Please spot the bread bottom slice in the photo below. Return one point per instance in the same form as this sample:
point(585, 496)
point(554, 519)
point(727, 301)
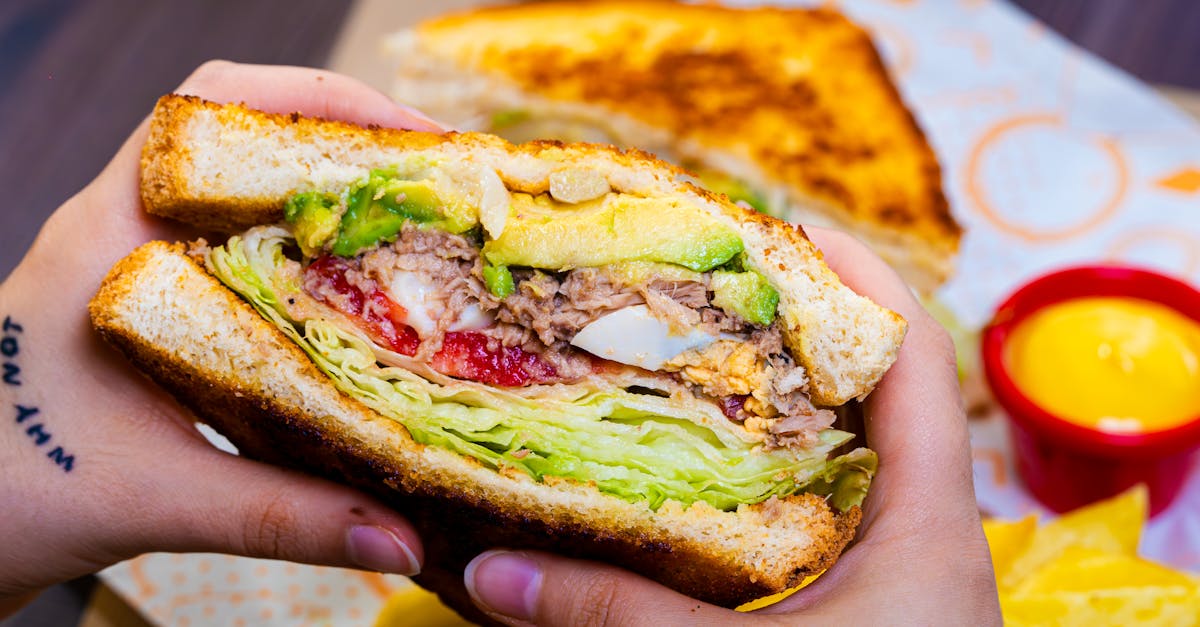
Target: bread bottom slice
point(243, 376)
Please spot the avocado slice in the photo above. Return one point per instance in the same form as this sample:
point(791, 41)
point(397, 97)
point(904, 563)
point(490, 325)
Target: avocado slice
point(379, 207)
point(314, 218)
point(746, 294)
point(617, 228)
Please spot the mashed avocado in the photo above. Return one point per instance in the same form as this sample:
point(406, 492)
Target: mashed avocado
point(499, 281)
point(371, 211)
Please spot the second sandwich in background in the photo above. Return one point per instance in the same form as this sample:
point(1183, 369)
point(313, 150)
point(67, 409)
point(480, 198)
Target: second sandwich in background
point(790, 111)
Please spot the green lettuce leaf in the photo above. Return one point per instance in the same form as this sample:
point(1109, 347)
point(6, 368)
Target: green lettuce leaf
point(638, 447)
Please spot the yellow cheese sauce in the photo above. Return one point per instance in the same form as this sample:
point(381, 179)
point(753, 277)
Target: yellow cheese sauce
point(1120, 365)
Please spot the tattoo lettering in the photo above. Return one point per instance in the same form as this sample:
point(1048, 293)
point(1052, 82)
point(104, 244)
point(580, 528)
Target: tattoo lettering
point(10, 348)
point(38, 433)
point(67, 462)
point(24, 412)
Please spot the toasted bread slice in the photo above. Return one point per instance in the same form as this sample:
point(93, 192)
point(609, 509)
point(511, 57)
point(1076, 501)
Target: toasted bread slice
point(217, 355)
point(227, 167)
point(793, 102)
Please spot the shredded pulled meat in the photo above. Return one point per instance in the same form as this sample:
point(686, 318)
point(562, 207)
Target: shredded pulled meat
point(451, 272)
point(553, 309)
point(444, 257)
point(449, 262)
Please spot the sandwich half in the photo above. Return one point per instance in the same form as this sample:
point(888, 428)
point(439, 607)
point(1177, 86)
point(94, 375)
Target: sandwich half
point(788, 110)
point(556, 346)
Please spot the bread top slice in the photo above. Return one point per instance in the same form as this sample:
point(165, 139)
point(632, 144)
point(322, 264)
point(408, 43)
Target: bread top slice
point(241, 374)
point(791, 99)
point(227, 167)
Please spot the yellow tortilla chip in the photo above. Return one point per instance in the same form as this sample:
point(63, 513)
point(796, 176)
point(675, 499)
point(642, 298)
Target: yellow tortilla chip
point(1113, 526)
point(415, 606)
point(1008, 540)
point(1173, 605)
point(1084, 570)
point(1120, 518)
point(758, 604)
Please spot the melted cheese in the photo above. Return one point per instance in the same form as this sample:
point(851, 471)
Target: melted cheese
point(1112, 364)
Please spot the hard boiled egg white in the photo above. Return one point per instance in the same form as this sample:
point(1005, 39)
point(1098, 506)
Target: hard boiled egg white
point(425, 306)
point(633, 336)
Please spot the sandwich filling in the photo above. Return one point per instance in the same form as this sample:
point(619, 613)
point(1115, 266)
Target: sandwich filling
point(579, 334)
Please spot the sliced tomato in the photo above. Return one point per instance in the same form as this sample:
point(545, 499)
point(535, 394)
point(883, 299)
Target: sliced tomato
point(467, 355)
point(463, 355)
point(385, 322)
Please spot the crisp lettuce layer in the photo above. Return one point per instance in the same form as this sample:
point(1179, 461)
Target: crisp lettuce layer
point(635, 446)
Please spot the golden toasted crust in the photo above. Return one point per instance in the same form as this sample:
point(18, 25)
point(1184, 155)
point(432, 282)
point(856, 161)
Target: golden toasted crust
point(179, 184)
point(239, 373)
point(168, 184)
point(232, 168)
point(800, 93)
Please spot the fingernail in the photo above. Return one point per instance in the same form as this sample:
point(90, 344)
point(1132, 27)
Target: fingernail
point(381, 550)
point(434, 125)
point(506, 583)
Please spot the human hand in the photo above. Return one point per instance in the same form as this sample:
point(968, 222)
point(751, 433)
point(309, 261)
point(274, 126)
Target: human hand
point(100, 465)
point(920, 556)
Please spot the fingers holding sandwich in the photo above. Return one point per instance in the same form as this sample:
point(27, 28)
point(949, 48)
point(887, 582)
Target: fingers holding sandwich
point(218, 503)
point(914, 417)
point(309, 91)
point(534, 588)
point(114, 195)
point(202, 500)
point(920, 521)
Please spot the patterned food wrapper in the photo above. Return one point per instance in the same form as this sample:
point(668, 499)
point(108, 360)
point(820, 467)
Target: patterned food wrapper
point(207, 589)
point(1051, 158)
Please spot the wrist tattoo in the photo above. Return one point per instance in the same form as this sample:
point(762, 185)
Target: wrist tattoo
point(9, 349)
point(28, 418)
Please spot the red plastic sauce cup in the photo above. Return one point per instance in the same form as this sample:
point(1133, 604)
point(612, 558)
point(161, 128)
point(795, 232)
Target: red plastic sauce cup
point(1066, 465)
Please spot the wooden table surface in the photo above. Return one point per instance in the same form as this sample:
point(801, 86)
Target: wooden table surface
point(76, 76)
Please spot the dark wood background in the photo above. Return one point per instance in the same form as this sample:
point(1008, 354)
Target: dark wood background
point(76, 76)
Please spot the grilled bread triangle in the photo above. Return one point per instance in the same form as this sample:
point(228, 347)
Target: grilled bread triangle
point(790, 109)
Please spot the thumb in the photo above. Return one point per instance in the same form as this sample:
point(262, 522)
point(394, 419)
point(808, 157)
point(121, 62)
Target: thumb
point(216, 502)
point(533, 588)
